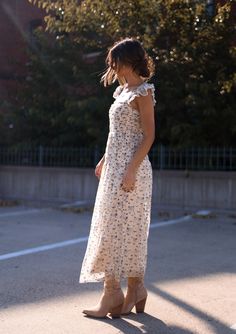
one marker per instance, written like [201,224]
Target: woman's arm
[146,110]
[99,166]
[103,157]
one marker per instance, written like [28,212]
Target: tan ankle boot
[136,296]
[111,301]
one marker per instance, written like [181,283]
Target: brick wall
[16,19]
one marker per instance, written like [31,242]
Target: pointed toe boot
[111,301]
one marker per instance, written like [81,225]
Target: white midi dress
[117,243]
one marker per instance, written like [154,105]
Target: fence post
[40,155]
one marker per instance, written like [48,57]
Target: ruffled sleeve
[117,91]
[143,90]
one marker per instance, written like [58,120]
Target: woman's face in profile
[121,69]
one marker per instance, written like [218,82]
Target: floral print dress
[117,243]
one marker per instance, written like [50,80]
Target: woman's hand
[98,169]
[128,181]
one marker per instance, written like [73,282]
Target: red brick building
[18,18]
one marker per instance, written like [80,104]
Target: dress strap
[117,91]
[143,90]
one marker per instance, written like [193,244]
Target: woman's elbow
[150,137]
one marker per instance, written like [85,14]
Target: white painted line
[42,248]
[170,222]
[233,326]
[16,213]
[72,204]
[79,240]
[203,212]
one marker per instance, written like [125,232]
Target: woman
[117,244]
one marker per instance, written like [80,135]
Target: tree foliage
[57,102]
[195,57]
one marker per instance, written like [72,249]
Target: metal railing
[193,158]
[50,156]
[161,157]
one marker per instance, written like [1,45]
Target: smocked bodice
[125,130]
[123,118]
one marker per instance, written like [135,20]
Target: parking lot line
[42,248]
[170,222]
[79,240]
[22,212]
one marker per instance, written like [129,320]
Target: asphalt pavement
[190,274]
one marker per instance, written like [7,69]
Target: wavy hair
[128,51]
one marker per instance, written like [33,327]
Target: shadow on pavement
[217,325]
[146,324]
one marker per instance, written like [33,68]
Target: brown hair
[128,51]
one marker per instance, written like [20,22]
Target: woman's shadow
[145,323]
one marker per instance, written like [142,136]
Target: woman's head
[127,54]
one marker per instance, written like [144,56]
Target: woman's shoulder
[143,90]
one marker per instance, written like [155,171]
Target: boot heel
[116,311]
[140,305]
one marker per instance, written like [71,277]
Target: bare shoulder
[145,102]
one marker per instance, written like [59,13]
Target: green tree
[195,67]
[57,102]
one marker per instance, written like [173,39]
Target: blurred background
[54,111]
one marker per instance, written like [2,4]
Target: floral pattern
[117,243]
